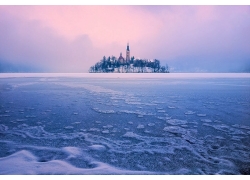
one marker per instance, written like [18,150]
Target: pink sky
[72,38]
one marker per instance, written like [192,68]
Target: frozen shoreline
[129,75]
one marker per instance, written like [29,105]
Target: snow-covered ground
[124,123]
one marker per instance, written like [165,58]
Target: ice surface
[176,122]
[124,124]
[3,128]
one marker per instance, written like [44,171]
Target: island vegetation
[112,64]
[128,65]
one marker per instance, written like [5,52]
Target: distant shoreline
[128,75]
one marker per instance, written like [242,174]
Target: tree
[162,69]
[109,64]
[156,65]
[167,69]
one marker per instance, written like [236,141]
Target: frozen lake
[125,123]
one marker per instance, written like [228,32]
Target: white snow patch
[161,111]
[105,131]
[25,163]
[201,115]
[131,135]
[69,127]
[107,126]
[175,129]
[21,120]
[72,151]
[189,112]
[171,107]
[97,147]
[140,126]
[94,129]
[30,116]
[176,122]
[151,124]
[104,111]
[206,120]
[77,122]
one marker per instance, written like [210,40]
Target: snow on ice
[124,124]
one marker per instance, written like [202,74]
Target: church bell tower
[128,53]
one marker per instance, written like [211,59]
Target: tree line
[112,64]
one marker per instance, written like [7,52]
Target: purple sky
[72,38]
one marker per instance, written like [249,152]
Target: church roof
[121,58]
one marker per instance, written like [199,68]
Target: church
[121,59]
[128,65]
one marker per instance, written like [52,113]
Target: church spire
[128,53]
[128,47]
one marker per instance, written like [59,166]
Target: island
[128,65]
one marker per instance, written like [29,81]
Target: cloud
[213,37]
[30,43]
